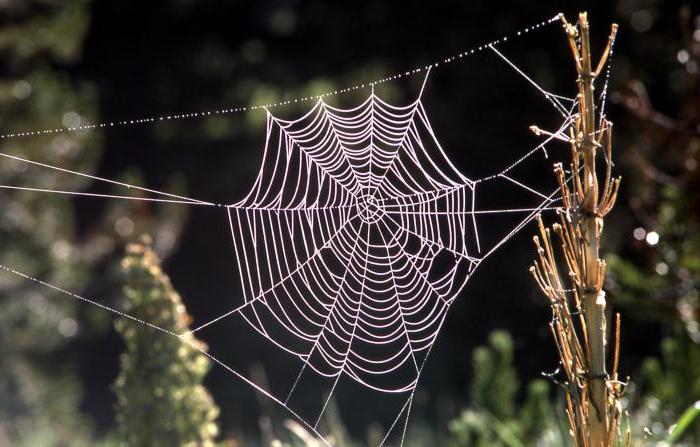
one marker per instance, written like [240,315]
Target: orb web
[339,242]
[356,237]
[354,240]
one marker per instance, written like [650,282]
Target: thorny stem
[581,336]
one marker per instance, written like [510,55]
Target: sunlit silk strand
[301,99]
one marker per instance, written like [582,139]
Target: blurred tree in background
[40,390]
[41,379]
[160,397]
[656,270]
[496,416]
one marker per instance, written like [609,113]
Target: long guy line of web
[295,100]
[178,199]
[184,338]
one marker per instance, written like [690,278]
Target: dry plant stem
[592,223]
[579,324]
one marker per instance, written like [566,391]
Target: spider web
[355,239]
[353,242]
[339,256]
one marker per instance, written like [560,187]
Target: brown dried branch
[579,326]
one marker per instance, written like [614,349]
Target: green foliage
[161,399]
[671,384]
[40,392]
[674,378]
[41,410]
[495,381]
[496,417]
[687,418]
[656,275]
[59,32]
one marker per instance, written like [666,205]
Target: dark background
[152,58]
